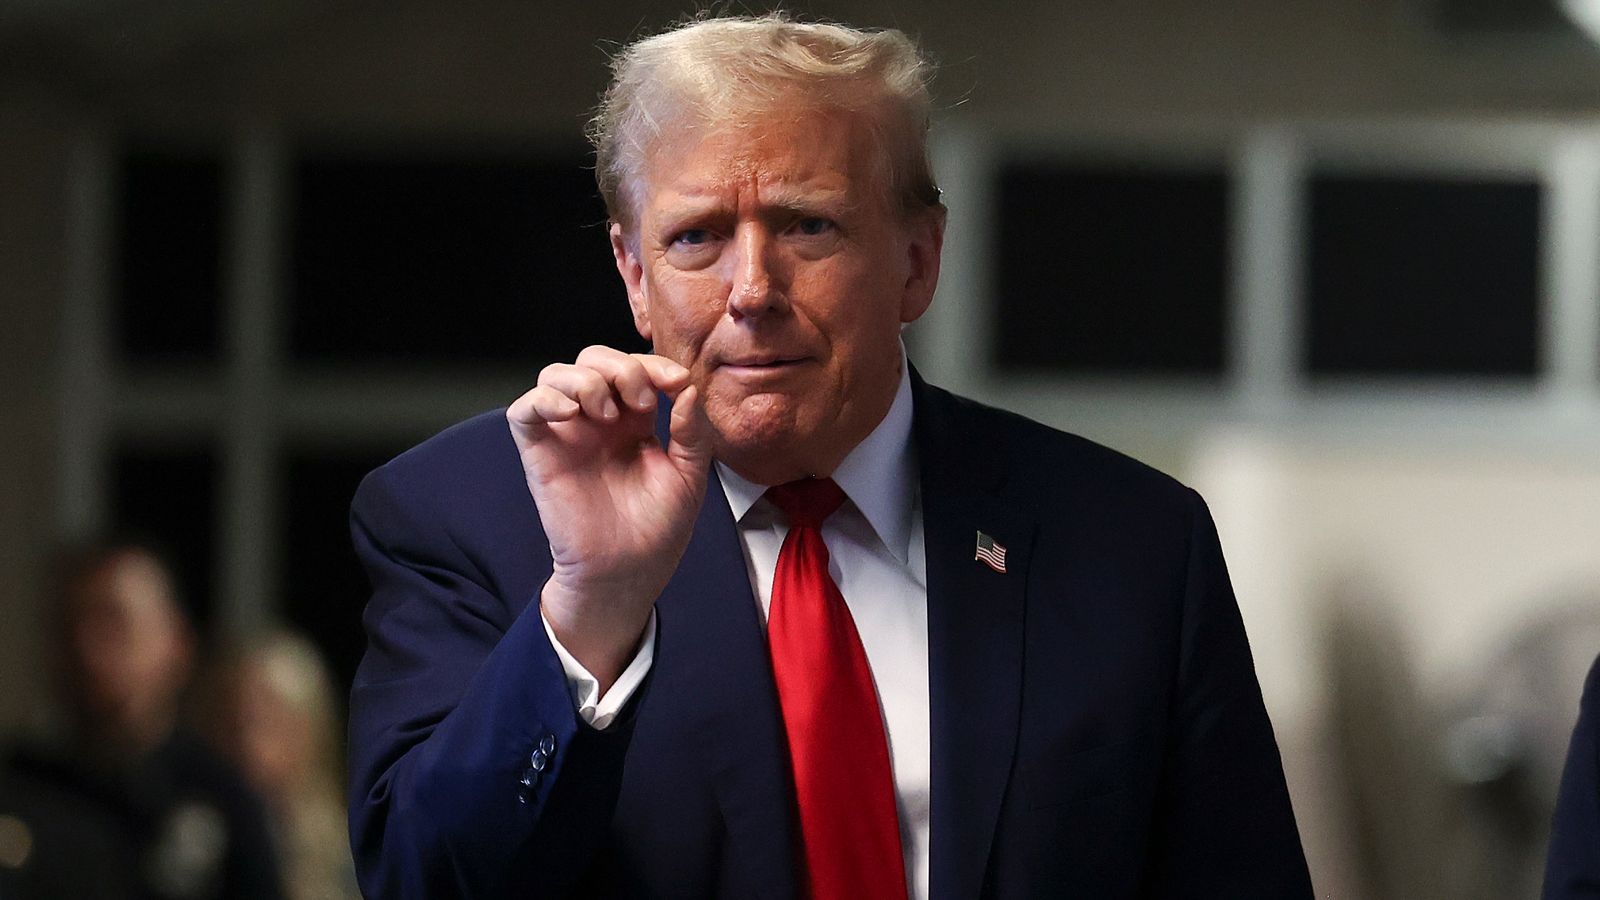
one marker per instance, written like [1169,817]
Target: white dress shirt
[875,549]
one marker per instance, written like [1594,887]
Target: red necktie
[842,777]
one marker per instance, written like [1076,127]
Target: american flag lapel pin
[991,552]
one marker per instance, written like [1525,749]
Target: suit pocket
[1080,775]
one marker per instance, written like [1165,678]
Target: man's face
[127,643]
[770,262]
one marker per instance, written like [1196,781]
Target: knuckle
[589,380]
[595,353]
[650,366]
[632,369]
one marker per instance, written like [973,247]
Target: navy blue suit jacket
[1097,728]
[1572,870]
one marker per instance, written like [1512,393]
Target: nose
[756,289]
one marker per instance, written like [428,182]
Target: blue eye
[692,237]
[811,226]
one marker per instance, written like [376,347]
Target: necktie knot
[807,502]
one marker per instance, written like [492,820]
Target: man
[185,824]
[762,614]
[1572,870]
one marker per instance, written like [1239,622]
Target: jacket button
[548,744]
[537,761]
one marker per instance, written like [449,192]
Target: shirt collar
[878,475]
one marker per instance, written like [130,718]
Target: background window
[1411,276]
[1111,270]
[452,260]
[169,258]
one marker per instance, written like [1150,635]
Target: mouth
[761,364]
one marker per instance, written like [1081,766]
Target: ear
[632,271]
[924,246]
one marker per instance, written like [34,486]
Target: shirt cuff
[600,711]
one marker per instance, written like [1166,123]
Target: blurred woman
[274,714]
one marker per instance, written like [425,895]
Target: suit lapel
[975,640]
[711,660]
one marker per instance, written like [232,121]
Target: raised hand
[617,507]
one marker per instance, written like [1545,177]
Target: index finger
[666,375]
[634,377]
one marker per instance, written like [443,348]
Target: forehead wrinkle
[770,195]
[746,170]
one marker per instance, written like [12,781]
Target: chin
[764,424]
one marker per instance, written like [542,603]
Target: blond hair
[733,72]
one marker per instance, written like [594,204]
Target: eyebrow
[688,208]
[775,198]
[832,199]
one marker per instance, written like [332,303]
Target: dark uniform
[179,824]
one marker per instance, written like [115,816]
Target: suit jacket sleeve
[1573,867]
[1226,827]
[458,690]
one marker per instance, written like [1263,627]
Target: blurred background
[1336,263]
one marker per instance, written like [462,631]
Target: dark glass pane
[169,258]
[323,587]
[167,497]
[1501,17]
[1422,277]
[1112,271]
[451,260]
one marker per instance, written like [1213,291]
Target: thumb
[690,444]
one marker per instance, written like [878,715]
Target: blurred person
[1572,869]
[193,828]
[275,717]
[763,614]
